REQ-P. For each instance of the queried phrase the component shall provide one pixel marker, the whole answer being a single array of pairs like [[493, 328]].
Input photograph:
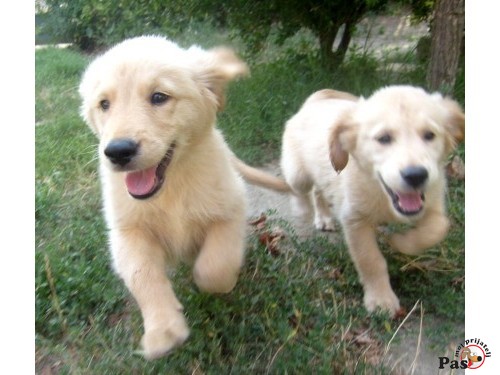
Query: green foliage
[[96, 23], [422, 9], [255, 20]]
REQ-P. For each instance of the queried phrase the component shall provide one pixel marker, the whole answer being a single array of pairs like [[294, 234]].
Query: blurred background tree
[[327, 19], [447, 44], [93, 24], [444, 48]]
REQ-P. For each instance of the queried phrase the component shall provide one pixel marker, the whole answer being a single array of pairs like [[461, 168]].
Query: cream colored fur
[[337, 150], [198, 214]]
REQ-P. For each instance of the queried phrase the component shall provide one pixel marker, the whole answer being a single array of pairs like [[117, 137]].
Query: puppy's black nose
[[415, 176], [121, 151]]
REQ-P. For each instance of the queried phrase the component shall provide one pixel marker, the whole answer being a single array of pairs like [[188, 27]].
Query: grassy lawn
[[293, 311]]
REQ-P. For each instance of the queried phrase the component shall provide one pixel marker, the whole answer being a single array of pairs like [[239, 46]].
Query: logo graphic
[[471, 354], [475, 356]]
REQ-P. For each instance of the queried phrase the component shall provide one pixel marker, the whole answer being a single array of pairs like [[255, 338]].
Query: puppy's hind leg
[[217, 267], [322, 213], [301, 184], [141, 264], [302, 206], [298, 179]]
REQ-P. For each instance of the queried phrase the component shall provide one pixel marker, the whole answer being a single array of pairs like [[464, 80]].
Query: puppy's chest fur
[[179, 216]]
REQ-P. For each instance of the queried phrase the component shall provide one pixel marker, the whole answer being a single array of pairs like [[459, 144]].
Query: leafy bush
[[91, 24]]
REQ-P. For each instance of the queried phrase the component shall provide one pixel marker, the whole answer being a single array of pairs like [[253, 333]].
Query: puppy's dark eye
[[158, 98], [385, 139], [104, 104], [429, 136]]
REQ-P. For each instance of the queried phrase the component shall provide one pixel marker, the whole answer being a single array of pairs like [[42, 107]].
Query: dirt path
[[384, 34]]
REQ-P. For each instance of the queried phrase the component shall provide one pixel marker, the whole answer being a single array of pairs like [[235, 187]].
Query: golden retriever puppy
[[389, 153], [171, 191]]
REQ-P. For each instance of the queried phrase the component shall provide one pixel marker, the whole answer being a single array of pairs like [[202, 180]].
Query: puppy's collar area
[[145, 183], [406, 203]]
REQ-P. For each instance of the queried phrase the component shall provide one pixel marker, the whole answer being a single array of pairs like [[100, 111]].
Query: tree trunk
[[446, 42], [341, 51], [326, 40]]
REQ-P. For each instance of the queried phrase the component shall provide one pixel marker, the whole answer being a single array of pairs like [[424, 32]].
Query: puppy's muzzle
[[121, 151], [415, 177]]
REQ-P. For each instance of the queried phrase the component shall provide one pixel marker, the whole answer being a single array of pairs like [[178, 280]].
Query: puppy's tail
[[257, 177]]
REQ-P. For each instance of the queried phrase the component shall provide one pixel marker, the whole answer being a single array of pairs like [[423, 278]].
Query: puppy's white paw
[[404, 244], [160, 341], [324, 224], [214, 278], [385, 300]]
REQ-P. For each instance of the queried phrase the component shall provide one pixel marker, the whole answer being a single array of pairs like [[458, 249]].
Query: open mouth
[[145, 183], [406, 203]]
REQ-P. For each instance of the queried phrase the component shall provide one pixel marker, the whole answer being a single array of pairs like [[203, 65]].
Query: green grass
[[293, 312]]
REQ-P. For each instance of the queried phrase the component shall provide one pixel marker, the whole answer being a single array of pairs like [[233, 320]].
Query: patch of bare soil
[[384, 34]]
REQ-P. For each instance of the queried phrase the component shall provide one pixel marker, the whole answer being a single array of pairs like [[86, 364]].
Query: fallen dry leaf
[[294, 320], [259, 223], [401, 313], [372, 349], [364, 339], [334, 274], [456, 168], [360, 337], [261, 219], [271, 238], [458, 280]]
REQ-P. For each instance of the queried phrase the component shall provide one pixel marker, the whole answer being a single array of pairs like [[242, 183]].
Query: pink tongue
[[141, 182], [410, 201]]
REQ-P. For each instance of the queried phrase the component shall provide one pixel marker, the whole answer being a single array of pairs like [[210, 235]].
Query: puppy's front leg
[[371, 267], [142, 266], [430, 230], [217, 267]]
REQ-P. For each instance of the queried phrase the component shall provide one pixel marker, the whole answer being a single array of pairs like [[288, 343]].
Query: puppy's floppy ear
[[454, 122], [220, 66], [342, 140], [86, 89], [456, 119]]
